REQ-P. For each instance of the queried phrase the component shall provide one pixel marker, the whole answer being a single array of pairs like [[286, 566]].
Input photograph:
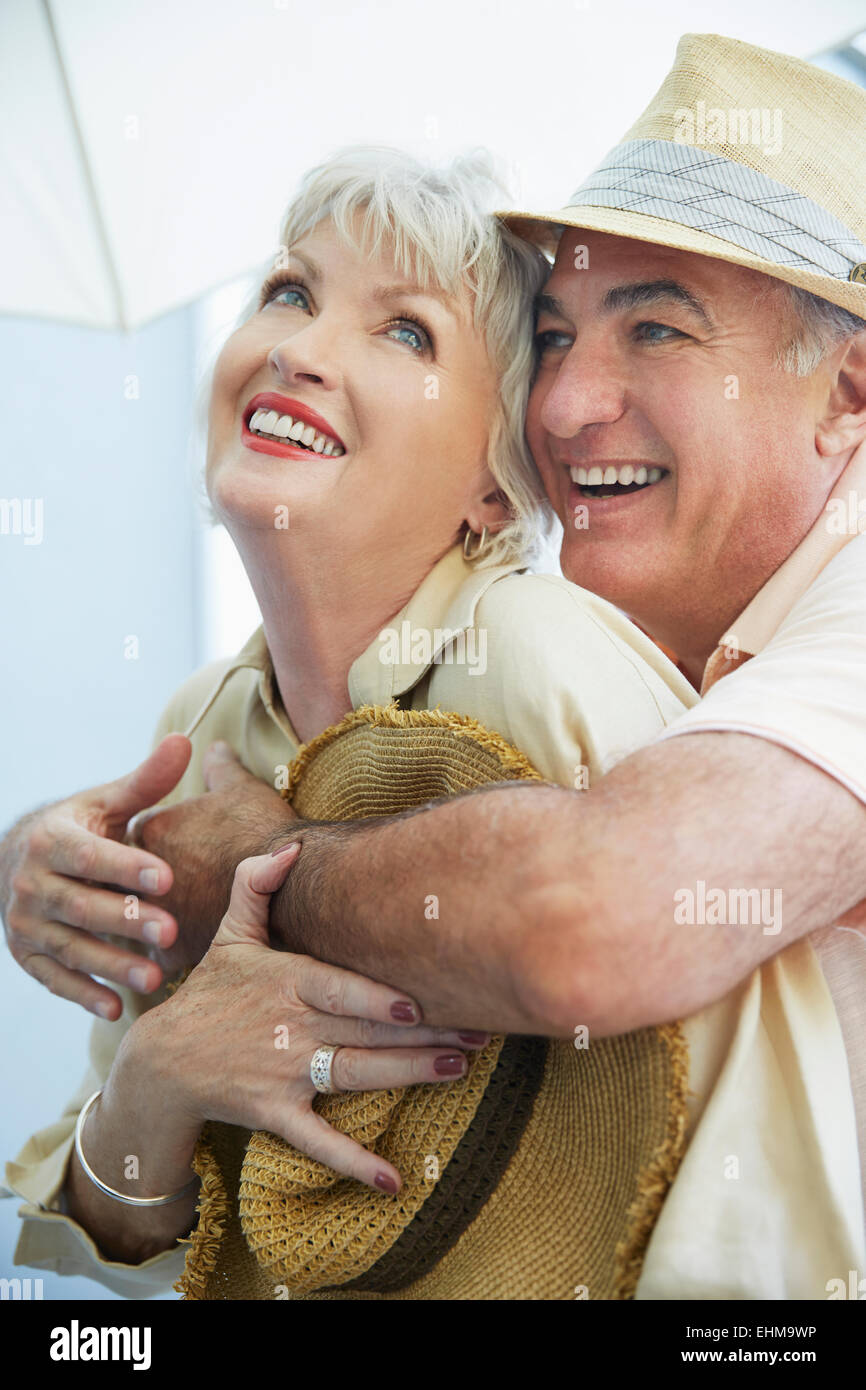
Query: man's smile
[[603, 485], [604, 479]]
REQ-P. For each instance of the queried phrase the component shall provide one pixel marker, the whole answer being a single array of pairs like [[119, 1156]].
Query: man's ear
[[488, 505], [843, 424]]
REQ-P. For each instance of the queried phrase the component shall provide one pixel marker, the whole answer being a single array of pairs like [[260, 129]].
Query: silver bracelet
[[109, 1191]]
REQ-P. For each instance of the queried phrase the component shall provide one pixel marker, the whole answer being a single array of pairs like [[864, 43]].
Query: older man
[[699, 417]]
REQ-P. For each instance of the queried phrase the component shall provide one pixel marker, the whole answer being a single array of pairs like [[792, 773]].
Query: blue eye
[[660, 336], [283, 297], [278, 286], [415, 339], [552, 340]]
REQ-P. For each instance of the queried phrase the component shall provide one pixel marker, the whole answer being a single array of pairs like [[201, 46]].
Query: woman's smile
[[274, 424], [336, 372]]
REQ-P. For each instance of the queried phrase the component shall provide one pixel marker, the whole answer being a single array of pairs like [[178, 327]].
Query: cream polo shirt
[[797, 663], [554, 669]]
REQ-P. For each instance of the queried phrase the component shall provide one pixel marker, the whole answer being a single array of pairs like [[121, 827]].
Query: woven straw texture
[[540, 1172], [822, 154]]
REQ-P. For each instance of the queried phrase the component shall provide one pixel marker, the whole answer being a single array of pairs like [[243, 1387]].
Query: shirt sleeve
[[49, 1238], [806, 690]]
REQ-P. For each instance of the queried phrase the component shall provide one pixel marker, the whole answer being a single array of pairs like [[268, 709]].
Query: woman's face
[[393, 390]]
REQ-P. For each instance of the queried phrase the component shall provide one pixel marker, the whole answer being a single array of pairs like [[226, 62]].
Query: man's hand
[[65, 880], [204, 839]]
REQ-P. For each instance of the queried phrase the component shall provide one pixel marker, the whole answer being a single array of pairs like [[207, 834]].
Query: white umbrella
[[147, 150]]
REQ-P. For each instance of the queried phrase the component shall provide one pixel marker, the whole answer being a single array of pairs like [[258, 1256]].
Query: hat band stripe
[[713, 194]]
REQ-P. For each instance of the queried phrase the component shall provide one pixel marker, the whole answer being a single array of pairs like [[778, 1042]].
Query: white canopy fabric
[[148, 150]]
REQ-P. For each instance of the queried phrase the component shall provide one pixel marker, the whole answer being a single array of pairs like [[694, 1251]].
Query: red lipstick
[[284, 405]]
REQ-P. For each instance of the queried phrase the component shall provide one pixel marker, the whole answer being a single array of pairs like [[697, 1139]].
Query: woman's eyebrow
[[309, 265], [384, 293]]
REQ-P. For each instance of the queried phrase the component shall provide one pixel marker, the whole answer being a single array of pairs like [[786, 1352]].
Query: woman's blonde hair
[[439, 224]]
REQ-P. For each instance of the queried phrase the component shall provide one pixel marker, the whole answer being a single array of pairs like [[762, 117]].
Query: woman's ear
[[488, 505], [843, 424]]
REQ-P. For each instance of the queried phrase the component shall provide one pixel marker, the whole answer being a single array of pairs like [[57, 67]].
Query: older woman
[[366, 453]]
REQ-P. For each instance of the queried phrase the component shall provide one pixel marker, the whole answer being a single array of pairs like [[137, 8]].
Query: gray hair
[[819, 327], [439, 224]]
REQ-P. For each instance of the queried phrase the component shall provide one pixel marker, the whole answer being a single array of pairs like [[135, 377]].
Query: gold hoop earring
[[482, 541]]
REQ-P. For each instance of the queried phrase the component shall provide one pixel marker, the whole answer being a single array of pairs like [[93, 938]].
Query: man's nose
[[311, 353], [589, 389]]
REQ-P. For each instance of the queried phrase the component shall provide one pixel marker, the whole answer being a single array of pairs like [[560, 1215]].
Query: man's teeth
[[270, 422], [625, 476]]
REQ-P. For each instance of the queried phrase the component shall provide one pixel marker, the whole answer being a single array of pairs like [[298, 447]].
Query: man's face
[[664, 361]]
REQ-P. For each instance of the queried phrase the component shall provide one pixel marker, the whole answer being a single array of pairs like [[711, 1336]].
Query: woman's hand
[[66, 877], [235, 1042]]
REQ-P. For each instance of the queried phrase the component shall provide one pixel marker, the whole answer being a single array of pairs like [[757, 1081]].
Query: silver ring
[[320, 1069]]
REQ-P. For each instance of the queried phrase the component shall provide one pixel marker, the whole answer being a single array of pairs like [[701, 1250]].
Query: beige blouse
[[570, 681]]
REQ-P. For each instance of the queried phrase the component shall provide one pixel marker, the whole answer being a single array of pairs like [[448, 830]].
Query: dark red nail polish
[[476, 1038], [386, 1182], [452, 1065], [403, 1012]]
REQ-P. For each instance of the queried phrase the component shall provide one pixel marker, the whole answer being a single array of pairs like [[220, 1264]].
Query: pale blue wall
[[118, 558]]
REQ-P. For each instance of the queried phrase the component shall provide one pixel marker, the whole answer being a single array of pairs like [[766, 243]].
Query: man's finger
[[79, 853], [78, 904], [88, 955], [69, 984], [222, 767], [149, 782]]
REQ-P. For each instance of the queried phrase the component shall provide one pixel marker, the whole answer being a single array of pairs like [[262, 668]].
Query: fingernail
[[452, 1065], [104, 1010], [152, 931], [404, 1012], [284, 849], [148, 879], [386, 1182], [139, 978], [474, 1039]]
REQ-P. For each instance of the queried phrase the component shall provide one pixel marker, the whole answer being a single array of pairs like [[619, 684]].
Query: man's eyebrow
[[549, 304], [645, 292]]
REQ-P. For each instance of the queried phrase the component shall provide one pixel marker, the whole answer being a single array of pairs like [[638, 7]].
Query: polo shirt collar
[[763, 617], [442, 606], [254, 655]]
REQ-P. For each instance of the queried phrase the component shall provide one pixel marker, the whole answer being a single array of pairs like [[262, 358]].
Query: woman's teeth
[[625, 477], [275, 426]]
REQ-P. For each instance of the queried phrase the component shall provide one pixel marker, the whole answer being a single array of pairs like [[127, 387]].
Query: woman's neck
[[319, 617]]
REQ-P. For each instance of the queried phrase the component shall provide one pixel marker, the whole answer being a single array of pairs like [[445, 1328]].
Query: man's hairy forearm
[[409, 901], [533, 909]]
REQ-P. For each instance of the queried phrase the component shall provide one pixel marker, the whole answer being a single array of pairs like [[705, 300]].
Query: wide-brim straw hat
[[743, 155], [540, 1172]]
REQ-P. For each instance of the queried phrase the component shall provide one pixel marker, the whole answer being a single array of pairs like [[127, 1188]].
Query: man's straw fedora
[[743, 155]]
